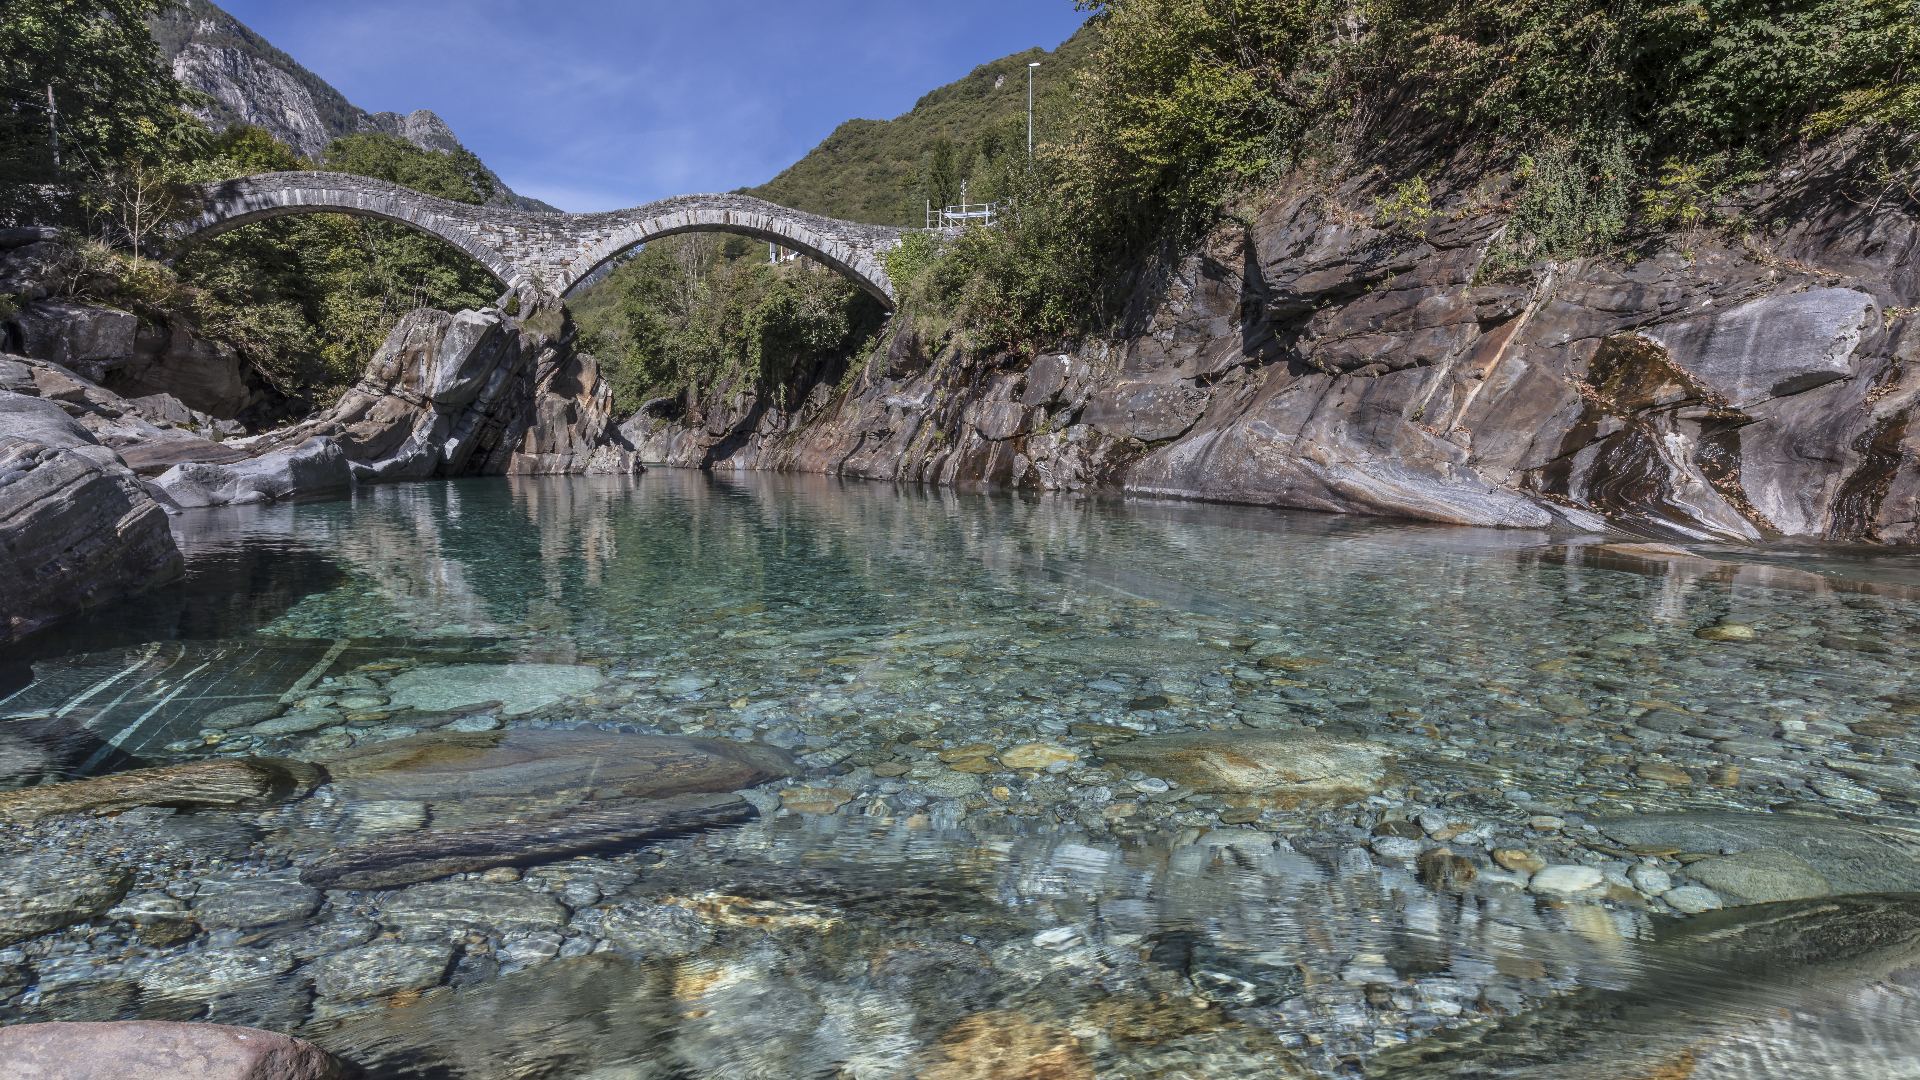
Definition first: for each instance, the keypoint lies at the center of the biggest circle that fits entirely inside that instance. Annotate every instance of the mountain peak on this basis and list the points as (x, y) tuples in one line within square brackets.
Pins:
[(249, 81)]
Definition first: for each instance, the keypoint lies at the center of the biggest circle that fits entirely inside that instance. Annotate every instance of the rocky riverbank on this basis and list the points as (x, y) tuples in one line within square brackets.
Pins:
[(1316, 356), (86, 470)]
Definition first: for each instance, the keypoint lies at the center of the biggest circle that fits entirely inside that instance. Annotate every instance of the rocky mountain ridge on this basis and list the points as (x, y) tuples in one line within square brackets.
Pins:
[(247, 80)]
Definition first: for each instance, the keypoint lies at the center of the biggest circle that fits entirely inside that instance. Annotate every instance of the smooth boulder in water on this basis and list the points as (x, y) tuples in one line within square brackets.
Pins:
[(1711, 988), (520, 688)]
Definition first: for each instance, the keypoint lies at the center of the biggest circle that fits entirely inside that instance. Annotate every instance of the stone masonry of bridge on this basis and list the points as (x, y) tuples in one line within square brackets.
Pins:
[(546, 254)]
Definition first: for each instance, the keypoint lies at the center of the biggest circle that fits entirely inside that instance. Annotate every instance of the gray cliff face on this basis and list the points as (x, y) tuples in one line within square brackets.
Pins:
[(1311, 360), (251, 82)]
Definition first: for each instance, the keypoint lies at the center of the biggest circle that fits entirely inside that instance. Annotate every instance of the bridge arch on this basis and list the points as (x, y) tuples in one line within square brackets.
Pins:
[(551, 252), (228, 205), (822, 239)]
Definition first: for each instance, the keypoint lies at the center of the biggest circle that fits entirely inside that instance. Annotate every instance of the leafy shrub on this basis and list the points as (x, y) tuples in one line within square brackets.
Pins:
[(1406, 210)]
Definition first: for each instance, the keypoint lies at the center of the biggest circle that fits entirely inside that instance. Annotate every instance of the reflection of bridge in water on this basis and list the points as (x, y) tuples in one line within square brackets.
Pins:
[(548, 253)]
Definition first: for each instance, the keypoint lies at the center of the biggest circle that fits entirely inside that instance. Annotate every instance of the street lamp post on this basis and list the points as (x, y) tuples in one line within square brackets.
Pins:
[(1030, 68)]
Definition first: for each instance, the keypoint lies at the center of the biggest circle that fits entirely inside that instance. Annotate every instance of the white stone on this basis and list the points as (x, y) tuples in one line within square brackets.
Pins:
[(1566, 879)]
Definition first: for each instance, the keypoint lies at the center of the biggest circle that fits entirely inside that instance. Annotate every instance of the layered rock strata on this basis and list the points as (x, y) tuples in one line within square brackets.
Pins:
[(1317, 357)]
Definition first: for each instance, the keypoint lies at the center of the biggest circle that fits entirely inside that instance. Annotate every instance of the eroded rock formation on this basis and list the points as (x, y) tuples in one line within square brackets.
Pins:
[(77, 527), (1313, 358)]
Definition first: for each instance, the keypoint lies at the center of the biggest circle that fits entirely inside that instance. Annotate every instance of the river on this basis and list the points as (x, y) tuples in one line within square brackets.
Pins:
[(1078, 787)]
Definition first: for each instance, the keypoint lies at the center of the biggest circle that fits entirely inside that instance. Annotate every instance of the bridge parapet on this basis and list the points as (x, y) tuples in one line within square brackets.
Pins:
[(547, 253)]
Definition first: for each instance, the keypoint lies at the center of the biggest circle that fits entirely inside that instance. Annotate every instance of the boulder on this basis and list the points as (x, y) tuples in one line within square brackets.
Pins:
[(43, 893), (73, 334), (77, 527), (224, 783), (1278, 768), (158, 1050), (314, 466)]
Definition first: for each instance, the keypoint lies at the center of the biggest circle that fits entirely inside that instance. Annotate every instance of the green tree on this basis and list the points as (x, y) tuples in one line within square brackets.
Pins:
[(940, 177), (94, 66)]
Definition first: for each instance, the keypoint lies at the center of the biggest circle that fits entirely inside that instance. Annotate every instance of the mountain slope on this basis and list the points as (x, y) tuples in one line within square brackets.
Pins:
[(872, 170), (251, 82)]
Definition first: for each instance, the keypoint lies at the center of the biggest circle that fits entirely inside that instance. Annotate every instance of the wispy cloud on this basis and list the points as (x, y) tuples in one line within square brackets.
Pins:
[(594, 106)]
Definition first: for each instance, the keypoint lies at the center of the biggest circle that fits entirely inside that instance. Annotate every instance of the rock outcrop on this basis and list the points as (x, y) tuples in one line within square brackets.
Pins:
[(1317, 358), (77, 527), (473, 393)]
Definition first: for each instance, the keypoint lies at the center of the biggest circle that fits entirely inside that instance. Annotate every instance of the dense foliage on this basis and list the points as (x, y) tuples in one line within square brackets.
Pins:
[(704, 310), (1613, 117)]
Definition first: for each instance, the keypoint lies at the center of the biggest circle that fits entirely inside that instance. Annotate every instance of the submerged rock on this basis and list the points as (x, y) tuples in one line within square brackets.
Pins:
[(251, 902), (600, 1015), (380, 969), (1721, 978), (433, 911), (1759, 877), (423, 856), (1851, 858), (43, 893), (519, 688), (229, 782), (1282, 768), (521, 769), (157, 1050)]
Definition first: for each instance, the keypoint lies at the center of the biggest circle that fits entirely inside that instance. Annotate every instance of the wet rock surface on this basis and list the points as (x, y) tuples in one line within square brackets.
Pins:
[(153, 1050), (1042, 790), (1314, 358)]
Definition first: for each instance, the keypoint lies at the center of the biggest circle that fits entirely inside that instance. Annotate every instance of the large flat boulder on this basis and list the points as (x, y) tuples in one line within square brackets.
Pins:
[(77, 527), (68, 333), (158, 1050), (315, 466)]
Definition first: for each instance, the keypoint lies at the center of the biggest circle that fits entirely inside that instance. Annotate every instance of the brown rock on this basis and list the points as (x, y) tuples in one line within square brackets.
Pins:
[(155, 1050), (1282, 768), (228, 782), (1007, 1046), (814, 800), (1519, 860), (1440, 869), (1036, 756), (1670, 775)]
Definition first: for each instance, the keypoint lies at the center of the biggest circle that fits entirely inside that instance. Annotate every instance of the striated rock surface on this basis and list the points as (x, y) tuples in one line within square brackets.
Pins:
[(158, 1050), (473, 393), (226, 782), (77, 527), (1314, 358)]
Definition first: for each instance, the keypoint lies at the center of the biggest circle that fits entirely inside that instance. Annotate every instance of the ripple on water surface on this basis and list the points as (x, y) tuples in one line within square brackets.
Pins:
[(1078, 788)]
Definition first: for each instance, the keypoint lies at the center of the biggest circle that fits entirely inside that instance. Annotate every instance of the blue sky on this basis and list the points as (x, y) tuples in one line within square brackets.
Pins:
[(597, 106)]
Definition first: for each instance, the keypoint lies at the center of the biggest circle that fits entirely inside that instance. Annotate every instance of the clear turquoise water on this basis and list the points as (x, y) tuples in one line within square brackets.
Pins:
[(864, 627)]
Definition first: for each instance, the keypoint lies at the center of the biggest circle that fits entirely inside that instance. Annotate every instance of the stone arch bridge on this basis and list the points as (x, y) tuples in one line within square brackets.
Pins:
[(545, 253)]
